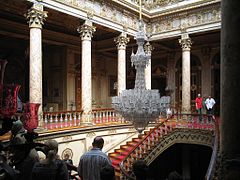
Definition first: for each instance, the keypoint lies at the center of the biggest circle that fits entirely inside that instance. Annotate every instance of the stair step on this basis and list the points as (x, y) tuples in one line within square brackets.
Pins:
[(131, 143)]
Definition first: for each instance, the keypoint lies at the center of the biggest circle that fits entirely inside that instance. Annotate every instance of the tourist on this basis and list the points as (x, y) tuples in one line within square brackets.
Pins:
[(23, 156), (198, 102), (51, 168), (93, 161), (210, 102), (68, 162)]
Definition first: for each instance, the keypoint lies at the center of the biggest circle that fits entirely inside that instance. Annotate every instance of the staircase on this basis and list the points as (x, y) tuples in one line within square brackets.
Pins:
[(137, 148), (142, 146)]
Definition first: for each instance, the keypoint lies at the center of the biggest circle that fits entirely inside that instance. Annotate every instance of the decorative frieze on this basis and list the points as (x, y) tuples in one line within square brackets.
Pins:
[(160, 21), (151, 4), (105, 10), (36, 16), (194, 18)]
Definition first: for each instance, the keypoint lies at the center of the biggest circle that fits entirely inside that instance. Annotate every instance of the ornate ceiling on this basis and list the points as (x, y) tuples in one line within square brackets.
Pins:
[(65, 25)]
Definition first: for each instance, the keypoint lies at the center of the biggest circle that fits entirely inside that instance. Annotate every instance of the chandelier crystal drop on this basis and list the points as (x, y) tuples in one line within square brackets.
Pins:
[(139, 105)]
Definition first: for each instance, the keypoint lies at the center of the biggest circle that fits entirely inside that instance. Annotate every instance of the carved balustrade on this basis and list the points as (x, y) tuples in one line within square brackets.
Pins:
[(69, 119)]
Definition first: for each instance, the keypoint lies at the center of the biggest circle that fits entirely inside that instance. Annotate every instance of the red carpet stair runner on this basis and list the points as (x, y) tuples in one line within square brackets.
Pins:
[(137, 148)]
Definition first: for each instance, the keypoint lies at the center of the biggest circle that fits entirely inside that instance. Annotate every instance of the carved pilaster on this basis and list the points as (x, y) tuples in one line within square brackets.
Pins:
[(36, 16), (121, 40), (185, 42), (86, 30)]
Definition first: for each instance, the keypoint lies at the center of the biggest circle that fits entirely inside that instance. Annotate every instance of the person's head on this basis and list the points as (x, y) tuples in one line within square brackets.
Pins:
[(209, 97), (98, 142), (199, 95), (51, 149), (174, 176), (17, 127), (107, 173), (140, 169)]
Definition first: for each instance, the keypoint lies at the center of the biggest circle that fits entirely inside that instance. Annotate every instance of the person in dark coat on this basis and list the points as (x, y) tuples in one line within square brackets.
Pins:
[(51, 168)]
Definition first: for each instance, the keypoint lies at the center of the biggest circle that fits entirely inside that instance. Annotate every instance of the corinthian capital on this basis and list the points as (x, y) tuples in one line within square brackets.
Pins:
[(36, 16), (121, 41), (86, 30), (185, 42)]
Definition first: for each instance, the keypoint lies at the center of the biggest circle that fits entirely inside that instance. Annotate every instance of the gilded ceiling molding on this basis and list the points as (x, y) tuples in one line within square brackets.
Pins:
[(105, 10), (180, 135), (159, 23), (150, 5), (195, 18)]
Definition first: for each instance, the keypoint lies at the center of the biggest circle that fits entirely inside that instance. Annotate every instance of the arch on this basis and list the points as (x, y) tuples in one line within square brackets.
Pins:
[(185, 136)]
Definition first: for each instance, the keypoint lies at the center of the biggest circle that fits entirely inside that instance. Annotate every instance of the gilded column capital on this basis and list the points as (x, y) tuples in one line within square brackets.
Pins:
[(86, 30), (185, 42), (36, 16), (121, 40), (148, 48)]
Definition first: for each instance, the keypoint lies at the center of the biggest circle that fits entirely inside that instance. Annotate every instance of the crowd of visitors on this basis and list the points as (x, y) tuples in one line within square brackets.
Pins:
[(23, 162)]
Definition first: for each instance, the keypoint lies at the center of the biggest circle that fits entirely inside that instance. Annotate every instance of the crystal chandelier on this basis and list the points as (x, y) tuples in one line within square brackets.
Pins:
[(139, 105)]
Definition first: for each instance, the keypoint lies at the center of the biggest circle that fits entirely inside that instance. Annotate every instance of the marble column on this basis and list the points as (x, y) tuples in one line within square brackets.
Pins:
[(121, 42), (35, 17), (185, 42), (86, 31), (230, 88), (148, 71)]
